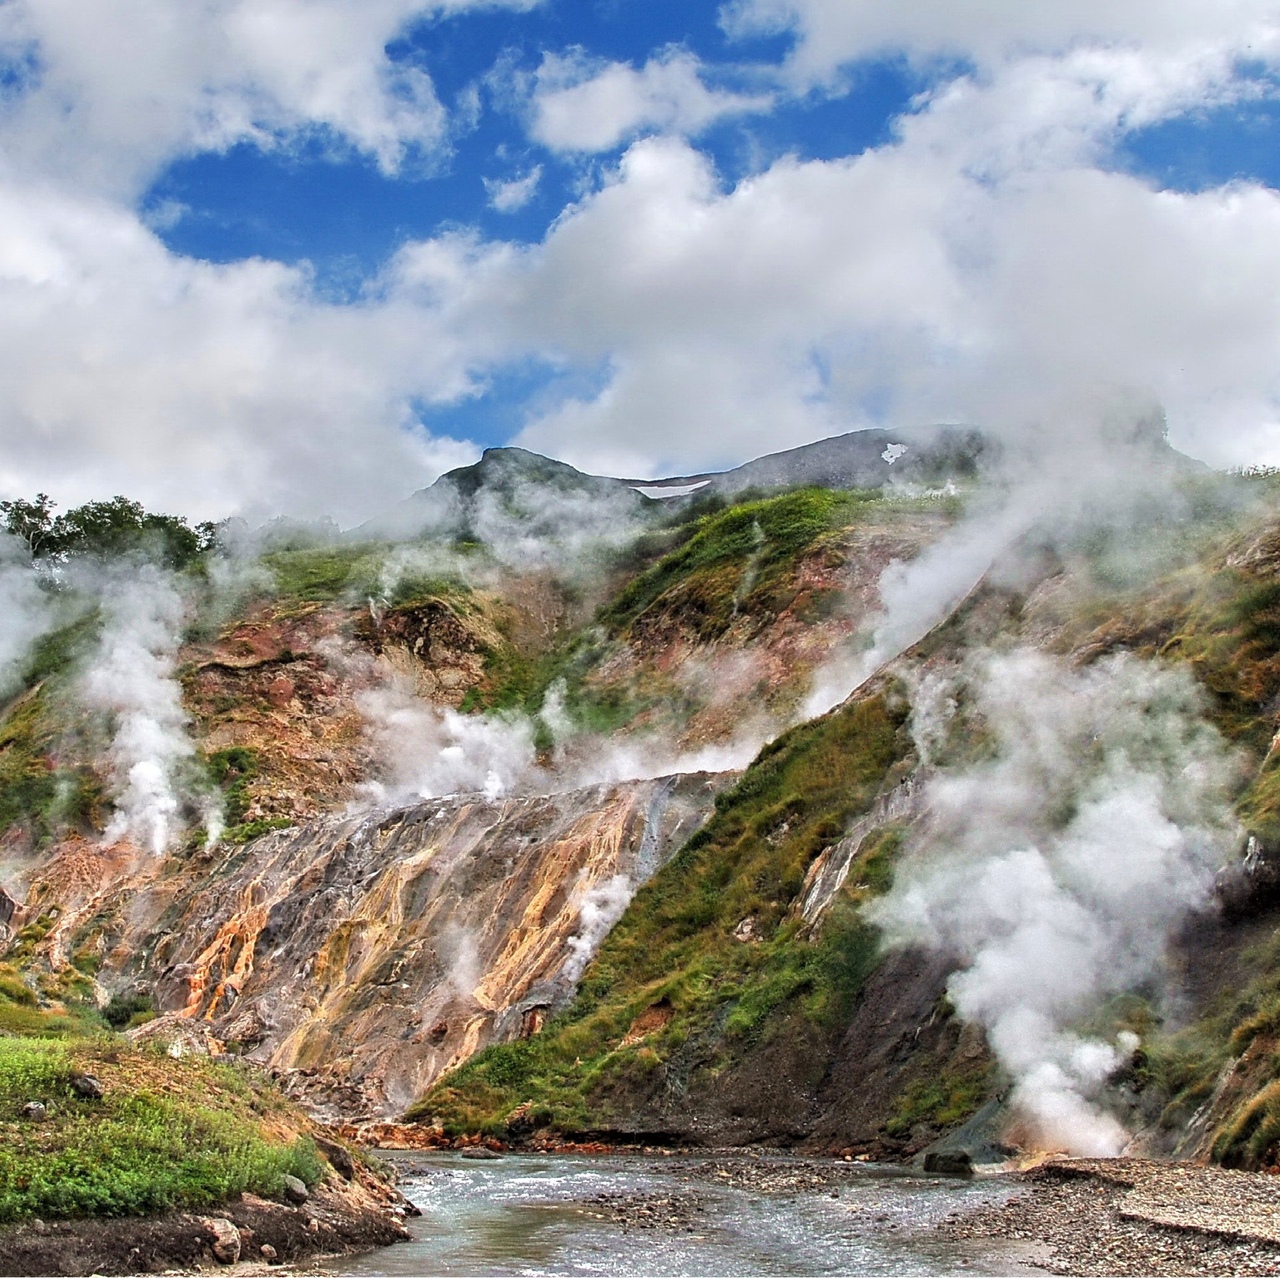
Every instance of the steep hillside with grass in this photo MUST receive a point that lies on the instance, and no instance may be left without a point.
(714, 1010)
(417, 780)
(743, 997)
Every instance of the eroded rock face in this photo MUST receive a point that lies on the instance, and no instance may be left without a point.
(362, 957)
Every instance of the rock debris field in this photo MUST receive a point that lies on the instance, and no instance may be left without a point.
(1128, 1216)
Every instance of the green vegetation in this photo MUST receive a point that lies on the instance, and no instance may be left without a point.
(106, 529)
(37, 789)
(734, 559)
(676, 946)
(232, 770)
(323, 574)
(941, 1100)
(166, 1133)
(125, 1010)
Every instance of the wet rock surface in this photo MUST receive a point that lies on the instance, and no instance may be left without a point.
(359, 957)
(683, 1212)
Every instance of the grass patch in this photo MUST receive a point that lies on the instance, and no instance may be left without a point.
(167, 1134)
(731, 559)
(323, 574)
(941, 1100)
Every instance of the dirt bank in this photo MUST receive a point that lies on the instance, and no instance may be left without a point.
(1129, 1216)
(338, 1217)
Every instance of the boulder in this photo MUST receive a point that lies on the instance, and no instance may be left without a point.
(949, 1162)
(338, 1157)
(295, 1191)
(35, 1111)
(226, 1239)
(86, 1086)
(479, 1152)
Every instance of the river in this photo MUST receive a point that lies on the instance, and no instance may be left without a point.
(682, 1214)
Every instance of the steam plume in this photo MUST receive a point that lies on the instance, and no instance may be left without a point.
(25, 610)
(132, 678)
(1055, 870)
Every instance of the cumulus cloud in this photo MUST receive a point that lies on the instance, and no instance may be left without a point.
(830, 33)
(513, 194)
(988, 263)
(124, 368)
(949, 275)
(580, 104)
(205, 76)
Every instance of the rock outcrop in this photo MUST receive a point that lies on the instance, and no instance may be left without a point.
(361, 957)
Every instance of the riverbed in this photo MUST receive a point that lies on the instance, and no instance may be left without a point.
(685, 1214)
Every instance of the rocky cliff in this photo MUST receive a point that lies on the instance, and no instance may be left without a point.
(362, 956)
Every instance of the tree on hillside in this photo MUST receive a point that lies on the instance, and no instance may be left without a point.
(105, 529)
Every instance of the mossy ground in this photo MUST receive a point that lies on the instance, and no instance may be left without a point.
(167, 1133)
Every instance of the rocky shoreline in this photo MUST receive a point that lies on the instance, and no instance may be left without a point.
(339, 1216)
(1131, 1216)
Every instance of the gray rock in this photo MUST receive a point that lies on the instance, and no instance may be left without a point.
(480, 1153)
(295, 1191)
(86, 1086)
(949, 1162)
(338, 1157)
(35, 1111)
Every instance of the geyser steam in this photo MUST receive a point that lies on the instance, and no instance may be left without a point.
(132, 678)
(1055, 869)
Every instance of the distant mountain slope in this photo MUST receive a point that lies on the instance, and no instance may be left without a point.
(461, 500)
(859, 459)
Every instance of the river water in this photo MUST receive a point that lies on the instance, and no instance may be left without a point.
(640, 1215)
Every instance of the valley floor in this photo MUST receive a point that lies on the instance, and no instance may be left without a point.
(1130, 1216)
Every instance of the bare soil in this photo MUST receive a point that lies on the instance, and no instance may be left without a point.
(328, 1223)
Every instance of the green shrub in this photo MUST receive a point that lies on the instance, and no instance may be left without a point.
(123, 1008)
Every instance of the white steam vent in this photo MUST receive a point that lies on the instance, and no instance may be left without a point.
(132, 677)
(1057, 869)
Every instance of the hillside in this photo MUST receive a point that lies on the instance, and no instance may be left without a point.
(523, 827)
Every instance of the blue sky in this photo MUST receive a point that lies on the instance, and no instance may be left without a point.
(318, 202)
(303, 256)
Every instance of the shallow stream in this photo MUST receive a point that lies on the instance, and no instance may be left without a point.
(683, 1214)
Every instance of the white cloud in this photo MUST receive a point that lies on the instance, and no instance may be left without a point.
(121, 88)
(983, 266)
(583, 105)
(832, 33)
(210, 388)
(512, 195)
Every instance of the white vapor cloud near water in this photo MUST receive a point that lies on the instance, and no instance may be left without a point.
(601, 907)
(131, 677)
(1111, 469)
(1056, 869)
(426, 751)
(915, 596)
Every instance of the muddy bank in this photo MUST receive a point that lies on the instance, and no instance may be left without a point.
(336, 1218)
(1129, 1216)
